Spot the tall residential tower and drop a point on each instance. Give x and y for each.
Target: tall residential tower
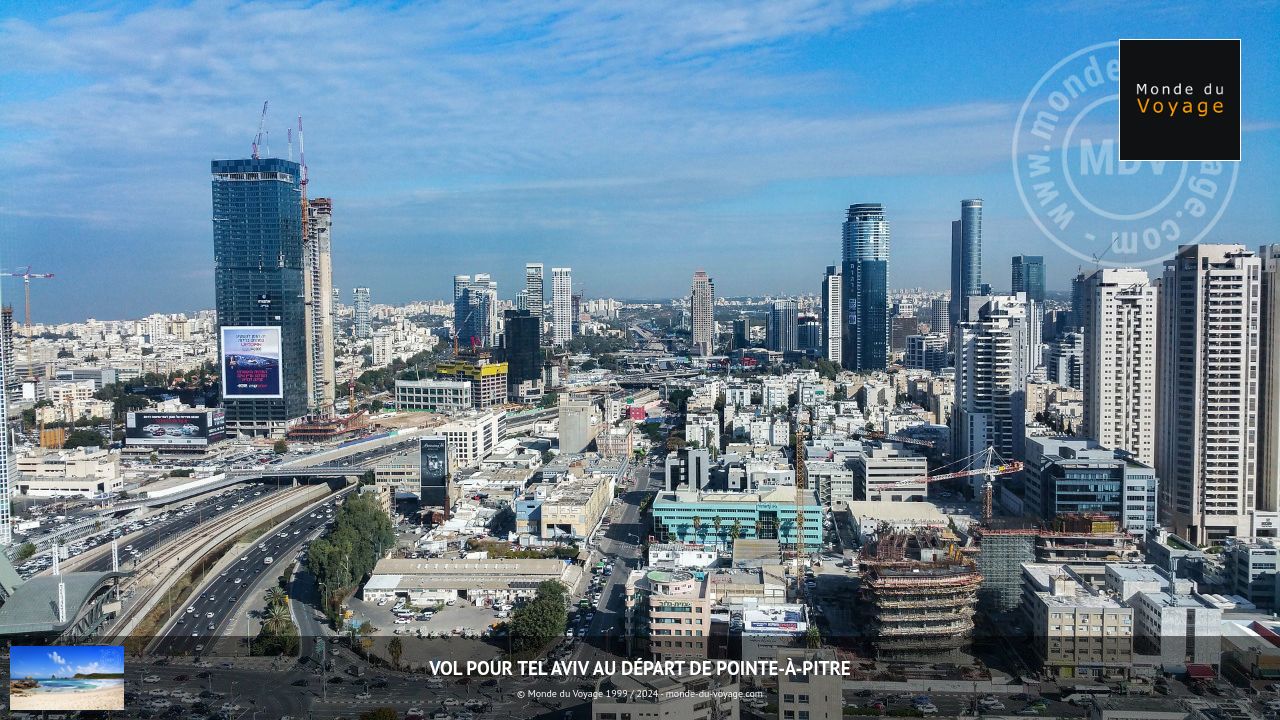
(865, 268)
(360, 299)
(562, 305)
(966, 259)
(832, 327)
(317, 284)
(702, 309)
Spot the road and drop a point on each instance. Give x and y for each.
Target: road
(207, 616)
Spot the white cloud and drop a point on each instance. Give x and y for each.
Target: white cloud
(56, 658)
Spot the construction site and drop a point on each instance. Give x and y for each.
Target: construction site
(918, 595)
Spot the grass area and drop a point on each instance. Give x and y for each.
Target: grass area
(498, 549)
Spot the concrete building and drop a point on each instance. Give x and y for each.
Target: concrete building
(443, 396)
(809, 696)
(535, 293)
(890, 471)
(685, 557)
(475, 311)
(361, 305)
(561, 305)
(317, 286)
(1251, 570)
(832, 318)
(617, 442)
(1207, 396)
(472, 437)
(768, 513)
(576, 427)
(1028, 277)
(573, 507)
(434, 582)
(1269, 390)
(1064, 360)
(1076, 631)
(1066, 476)
(1119, 354)
(691, 697)
(669, 612)
(702, 309)
(1179, 628)
(997, 349)
(383, 348)
(782, 332)
(926, 352)
(488, 378)
(920, 609)
(687, 468)
(83, 472)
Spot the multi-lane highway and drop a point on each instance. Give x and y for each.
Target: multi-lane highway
(212, 613)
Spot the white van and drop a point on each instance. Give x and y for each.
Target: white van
(268, 560)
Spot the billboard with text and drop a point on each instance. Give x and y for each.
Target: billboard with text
(251, 363)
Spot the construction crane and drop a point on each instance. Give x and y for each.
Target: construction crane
(262, 124)
(877, 435)
(992, 466)
(27, 276)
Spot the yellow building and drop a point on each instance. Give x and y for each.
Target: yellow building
(488, 379)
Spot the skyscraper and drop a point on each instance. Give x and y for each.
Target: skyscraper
(1207, 391)
(562, 305)
(534, 289)
(832, 325)
(521, 336)
(995, 352)
(475, 310)
(1028, 277)
(1119, 368)
(702, 307)
(865, 267)
(6, 462)
(317, 284)
(9, 371)
(1269, 390)
(258, 283)
(782, 331)
(742, 332)
(940, 315)
(966, 259)
(360, 299)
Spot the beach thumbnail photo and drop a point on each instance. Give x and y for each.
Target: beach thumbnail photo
(73, 677)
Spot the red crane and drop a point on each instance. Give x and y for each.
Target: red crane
(989, 468)
(26, 275)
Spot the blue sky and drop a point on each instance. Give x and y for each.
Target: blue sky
(46, 661)
(635, 142)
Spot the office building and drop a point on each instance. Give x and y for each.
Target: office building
(1269, 388)
(471, 438)
(995, 353)
(521, 337)
(688, 697)
(689, 515)
(442, 396)
(1207, 391)
(534, 291)
(809, 696)
(6, 451)
(832, 325)
(926, 352)
(475, 310)
(258, 283)
(360, 299)
(488, 379)
(1074, 476)
(1077, 631)
(671, 609)
(865, 268)
(889, 471)
(1118, 315)
(940, 316)
(742, 333)
(966, 259)
(562, 305)
(317, 286)
(575, 423)
(782, 334)
(809, 334)
(1064, 361)
(702, 309)
(1028, 277)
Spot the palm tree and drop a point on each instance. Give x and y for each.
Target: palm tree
(735, 530)
(275, 596)
(277, 618)
(716, 521)
(697, 526)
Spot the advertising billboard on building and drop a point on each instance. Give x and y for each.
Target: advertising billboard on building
(251, 363)
(434, 456)
(177, 430)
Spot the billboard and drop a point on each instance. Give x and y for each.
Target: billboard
(251, 363)
(434, 458)
(177, 429)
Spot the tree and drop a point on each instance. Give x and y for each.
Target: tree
(277, 618)
(381, 713)
(813, 638)
(275, 596)
(25, 550)
(541, 620)
(717, 522)
(549, 400)
(735, 530)
(375, 405)
(83, 438)
(697, 526)
(395, 649)
(368, 478)
(366, 631)
(281, 447)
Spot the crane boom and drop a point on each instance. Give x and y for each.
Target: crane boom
(262, 124)
(27, 276)
(1005, 469)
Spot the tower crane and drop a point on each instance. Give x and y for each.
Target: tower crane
(262, 124)
(992, 467)
(27, 276)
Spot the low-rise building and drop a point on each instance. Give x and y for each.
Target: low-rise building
(1076, 630)
(472, 437)
(573, 507)
(692, 697)
(890, 471)
(668, 611)
(443, 396)
(683, 556)
(1180, 628)
(809, 696)
(716, 517)
(430, 582)
(82, 472)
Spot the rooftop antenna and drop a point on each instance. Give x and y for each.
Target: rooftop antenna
(262, 122)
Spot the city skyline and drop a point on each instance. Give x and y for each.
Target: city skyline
(94, 155)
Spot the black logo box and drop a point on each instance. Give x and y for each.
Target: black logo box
(1188, 68)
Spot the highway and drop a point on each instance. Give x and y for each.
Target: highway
(207, 616)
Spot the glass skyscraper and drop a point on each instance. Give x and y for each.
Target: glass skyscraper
(1028, 277)
(258, 277)
(865, 269)
(966, 259)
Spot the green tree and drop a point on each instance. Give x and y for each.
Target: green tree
(541, 620)
(735, 530)
(395, 649)
(381, 713)
(25, 551)
(281, 447)
(275, 596)
(697, 526)
(277, 618)
(549, 400)
(83, 437)
(375, 405)
(717, 522)
(813, 638)
(361, 532)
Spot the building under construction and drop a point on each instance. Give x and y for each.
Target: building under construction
(919, 595)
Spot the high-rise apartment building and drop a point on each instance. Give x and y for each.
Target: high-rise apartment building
(865, 268)
(360, 298)
(534, 289)
(832, 320)
(258, 283)
(940, 315)
(1119, 368)
(995, 352)
(1207, 391)
(475, 310)
(7, 467)
(9, 370)
(562, 305)
(782, 333)
(1028, 277)
(521, 335)
(1064, 360)
(1269, 388)
(702, 308)
(966, 259)
(317, 287)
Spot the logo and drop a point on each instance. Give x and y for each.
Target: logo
(1180, 100)
(1082, 196)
